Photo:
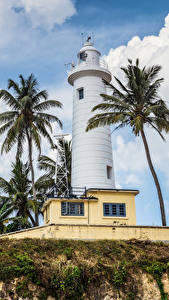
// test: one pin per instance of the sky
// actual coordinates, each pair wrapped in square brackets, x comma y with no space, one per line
[42,37]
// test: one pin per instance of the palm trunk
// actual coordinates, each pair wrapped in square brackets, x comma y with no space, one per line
[33,178]
[31,218]
[155,178]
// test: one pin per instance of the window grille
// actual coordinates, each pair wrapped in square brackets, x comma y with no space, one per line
[72,209]
[114,209]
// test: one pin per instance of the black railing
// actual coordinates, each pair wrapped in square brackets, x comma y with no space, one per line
[74,192]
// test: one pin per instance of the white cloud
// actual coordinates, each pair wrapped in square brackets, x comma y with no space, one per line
[150,50]
[122,155]
[28,31]
[130,155]
[47,13]
[40,13]
[132,179]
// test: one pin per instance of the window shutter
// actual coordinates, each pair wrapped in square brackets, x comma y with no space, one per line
[114,209]
[122,210]
[106,209]
[63,208]
[72,209]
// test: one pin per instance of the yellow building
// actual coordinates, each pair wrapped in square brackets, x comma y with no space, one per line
[98,215]
[96,207]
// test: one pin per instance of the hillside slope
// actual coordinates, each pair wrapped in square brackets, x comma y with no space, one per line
[74,270]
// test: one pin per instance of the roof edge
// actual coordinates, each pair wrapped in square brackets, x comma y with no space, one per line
[136,192]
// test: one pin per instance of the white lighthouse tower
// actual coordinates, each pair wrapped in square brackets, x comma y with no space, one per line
[92,162]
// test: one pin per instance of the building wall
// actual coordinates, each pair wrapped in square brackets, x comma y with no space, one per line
[95,232]
[96,208]
[93,209]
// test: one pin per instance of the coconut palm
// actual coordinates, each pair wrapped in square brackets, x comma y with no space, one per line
[136,104]
[18,191]
[27,119]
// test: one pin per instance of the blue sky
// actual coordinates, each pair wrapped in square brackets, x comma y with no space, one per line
[41,36]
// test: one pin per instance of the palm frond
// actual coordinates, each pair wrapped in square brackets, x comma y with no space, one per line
[9,99]
[49,118]
[105,119]
[5,127]
[47,164]
[5,186]
[14,85]
[44,133]
[47,105]
[36,137]
[8,116]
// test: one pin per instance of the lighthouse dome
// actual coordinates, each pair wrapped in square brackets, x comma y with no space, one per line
[89,63]
[88,47]
[89,54]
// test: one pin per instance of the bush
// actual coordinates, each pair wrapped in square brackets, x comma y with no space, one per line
[68,283]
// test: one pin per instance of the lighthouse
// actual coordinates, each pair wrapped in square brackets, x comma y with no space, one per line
[93,204]
[92,161]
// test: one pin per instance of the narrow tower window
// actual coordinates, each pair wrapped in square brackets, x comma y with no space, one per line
[81,93]
[109,172]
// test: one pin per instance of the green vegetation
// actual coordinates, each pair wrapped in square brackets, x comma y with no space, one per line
[27,121]
[136,104]
[18,199]
[76,270]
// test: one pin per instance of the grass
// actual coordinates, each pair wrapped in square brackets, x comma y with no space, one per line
[70,270]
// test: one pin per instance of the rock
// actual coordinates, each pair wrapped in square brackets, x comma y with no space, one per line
[1,285]
[165,281]
[108,297]
[32,287]
[148,288]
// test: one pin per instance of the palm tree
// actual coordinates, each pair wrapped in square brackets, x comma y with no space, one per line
[17,194]
[136,104]
[18,191]
[27,121]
